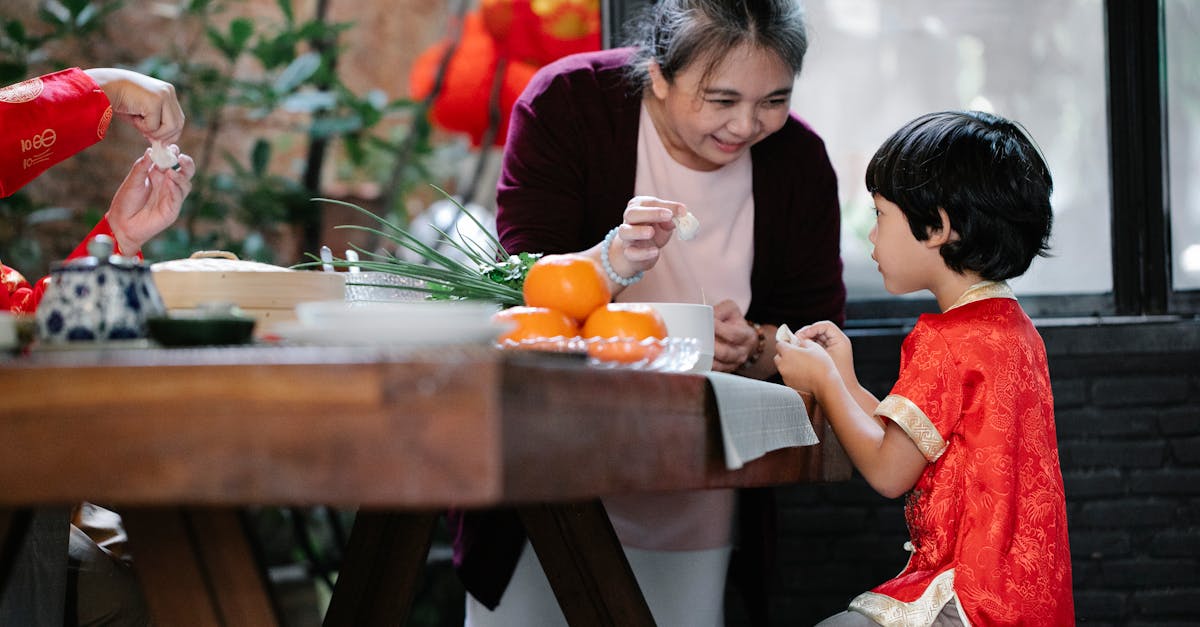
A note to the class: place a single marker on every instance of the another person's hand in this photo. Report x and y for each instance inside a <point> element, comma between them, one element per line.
<point>736,339</point>
<point>148,103</point>
<point>647,228</point>
<point>149,200</point>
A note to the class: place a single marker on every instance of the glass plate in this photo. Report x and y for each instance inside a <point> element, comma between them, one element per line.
<point>672,354</point>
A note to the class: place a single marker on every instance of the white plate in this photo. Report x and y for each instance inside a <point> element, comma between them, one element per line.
<point>389,314</point>
<point>367,335</point>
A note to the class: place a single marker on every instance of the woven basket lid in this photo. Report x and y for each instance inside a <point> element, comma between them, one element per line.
<point>219,276</point>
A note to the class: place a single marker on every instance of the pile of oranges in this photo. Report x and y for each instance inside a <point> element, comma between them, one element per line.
<point>567,296</point>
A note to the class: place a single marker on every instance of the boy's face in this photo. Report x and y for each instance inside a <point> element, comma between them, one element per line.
<point>706,125</point>
<point>906,263</point>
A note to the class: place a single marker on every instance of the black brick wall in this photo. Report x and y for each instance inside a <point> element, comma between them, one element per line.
<point>1127,398</point>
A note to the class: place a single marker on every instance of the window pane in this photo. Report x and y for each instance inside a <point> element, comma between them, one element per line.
<point>1183,126</point>
<point>875,64</point>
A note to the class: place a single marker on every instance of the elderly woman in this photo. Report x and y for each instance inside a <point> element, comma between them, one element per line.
<point>605,151</point>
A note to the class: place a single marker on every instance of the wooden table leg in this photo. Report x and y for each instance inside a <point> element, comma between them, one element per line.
<point>384,559</point>
<point>585,564</point>
<point>197,567</point>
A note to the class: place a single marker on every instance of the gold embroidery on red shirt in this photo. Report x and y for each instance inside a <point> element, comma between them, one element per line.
<point>982,291</point>
<point>915,423</point>
<point>102,128</point>
<point>920,612</point>
<point>23,91</point>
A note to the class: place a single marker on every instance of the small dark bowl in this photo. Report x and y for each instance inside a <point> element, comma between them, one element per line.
<point>222,331</point>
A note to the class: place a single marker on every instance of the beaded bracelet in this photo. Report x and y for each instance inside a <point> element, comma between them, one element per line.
<point>758,349</point>
<point>608,269</point>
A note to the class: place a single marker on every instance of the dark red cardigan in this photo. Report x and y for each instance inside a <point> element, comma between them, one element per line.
<point>568,172</point>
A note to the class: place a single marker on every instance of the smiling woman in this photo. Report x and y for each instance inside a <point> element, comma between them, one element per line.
<point>709,117</point>
<point>605,152</point>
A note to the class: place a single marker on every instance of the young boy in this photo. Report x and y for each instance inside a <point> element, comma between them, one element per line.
<point>962,204</point>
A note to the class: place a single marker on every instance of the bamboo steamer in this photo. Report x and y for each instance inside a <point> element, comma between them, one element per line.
<point>269,293</point>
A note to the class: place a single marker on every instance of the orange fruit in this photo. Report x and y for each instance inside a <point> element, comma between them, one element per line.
<point>535,323</point>
<point>572,284</point>
<point>631,323</point>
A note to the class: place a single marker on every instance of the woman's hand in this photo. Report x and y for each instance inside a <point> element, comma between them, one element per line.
<point>149,200</point>
<point>736,339</point>
<point>149,104</point>
<point>646,229</point>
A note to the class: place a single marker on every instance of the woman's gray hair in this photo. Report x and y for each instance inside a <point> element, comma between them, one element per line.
<point>677,33</point>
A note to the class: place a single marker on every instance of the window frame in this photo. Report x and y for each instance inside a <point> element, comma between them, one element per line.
<point>1138,178</point>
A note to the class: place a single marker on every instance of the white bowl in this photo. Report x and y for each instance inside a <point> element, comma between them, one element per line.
<point>690,320</point>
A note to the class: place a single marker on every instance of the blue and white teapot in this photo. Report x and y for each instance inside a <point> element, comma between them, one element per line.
<point>98,298</point>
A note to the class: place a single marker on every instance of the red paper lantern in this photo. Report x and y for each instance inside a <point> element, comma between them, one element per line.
<point>568,26</point>
<point>540,31</point>
<point>462,104</point>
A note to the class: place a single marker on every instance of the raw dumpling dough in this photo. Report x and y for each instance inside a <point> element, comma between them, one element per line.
<point>687,225</point>
<point>162,157</point>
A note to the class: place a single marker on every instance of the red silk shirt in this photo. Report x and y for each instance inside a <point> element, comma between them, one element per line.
<point>43,121</point>
<point>987,518</point>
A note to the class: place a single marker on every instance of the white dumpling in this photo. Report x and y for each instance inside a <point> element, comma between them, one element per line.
<point>162,157</point>
<point>687,226</point>
<point>784,334</point>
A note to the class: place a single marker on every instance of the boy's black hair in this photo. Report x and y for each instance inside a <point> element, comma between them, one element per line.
<point>988,175</point>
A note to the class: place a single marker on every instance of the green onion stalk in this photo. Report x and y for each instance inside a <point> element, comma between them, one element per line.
<point>489,273</point>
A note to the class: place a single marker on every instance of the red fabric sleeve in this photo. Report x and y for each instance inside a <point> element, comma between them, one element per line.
<point>102,228</point>
<point>44,120</point>
<point>17,296</point>
<point>15,292</point>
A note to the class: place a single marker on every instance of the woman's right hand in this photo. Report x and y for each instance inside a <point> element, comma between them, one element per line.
<point>648,227</point>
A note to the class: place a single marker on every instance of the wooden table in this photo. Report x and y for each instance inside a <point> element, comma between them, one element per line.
<point>178,440</point>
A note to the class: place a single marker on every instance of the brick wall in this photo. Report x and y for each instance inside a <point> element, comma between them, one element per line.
<point>1127,399</point>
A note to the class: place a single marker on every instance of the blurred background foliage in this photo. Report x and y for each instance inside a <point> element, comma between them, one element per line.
<point>276,74</point>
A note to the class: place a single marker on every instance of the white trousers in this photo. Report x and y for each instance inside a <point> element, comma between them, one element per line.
<point>682,588</point>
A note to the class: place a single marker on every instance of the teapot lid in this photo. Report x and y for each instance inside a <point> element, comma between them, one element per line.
<point>101,251</point>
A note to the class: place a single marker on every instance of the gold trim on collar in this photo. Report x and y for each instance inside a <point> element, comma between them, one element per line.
<point>982,291</point>
<point>915,423</point>
<point>922,611</point>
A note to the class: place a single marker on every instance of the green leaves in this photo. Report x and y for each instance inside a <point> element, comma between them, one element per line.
<point>233,44</point>
<point>489,273</point>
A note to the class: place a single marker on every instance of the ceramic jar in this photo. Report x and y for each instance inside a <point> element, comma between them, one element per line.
<point>101,297</point>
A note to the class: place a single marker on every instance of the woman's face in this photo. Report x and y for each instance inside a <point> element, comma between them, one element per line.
<point>706,125</point>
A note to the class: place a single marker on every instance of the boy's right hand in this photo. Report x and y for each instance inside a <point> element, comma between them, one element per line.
<point>822,341</point>
<point>806,367</point>
<point>833,340</point>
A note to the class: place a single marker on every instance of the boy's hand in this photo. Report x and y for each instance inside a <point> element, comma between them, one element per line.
<point>835,342</point>
<point>806,367</point>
